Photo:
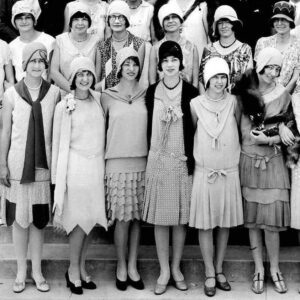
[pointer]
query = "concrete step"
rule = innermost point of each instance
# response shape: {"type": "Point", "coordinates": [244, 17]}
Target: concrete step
{"type": "Point", "coordinates": [238, 263]}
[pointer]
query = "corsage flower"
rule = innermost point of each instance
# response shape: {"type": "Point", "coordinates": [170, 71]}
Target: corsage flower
{"type": "Point", "coordinates": [71, 103]}
{"type": "Point", "coordinates": [171, 113]}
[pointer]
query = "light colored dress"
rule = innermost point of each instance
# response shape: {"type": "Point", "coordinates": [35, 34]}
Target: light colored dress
{"type": "Point", "coordinates": [16, 48]}
{"type": "Point", "coordinates": [126, 153]}
{"type": "Point", "coordinates": [84, 199]}
{"type": "Point", "coordinates": [216, 195]}
{"type": "Point", "coordinates": [26, 200]}
{"type": "Point", "coordinates": [195, 28]}
{"type": "Point", "coordinates": [264, 175]}
{"type": "Point", "coordinates": [238, 56]}
{"type": "Point", "coordinates": [168, 185]}
{"type": "Point", "coordinates": [4, 60]}
{"type": "Point", "coordinates": [69, 49]}
{"type": "Point", "coordinates": [140, 20]}
{"type": "Point", "coordinates": [291, 56]}
{"type": "Point", "coordinates": [98, 12]}
{"type": "Point", "coordinates": [295, 179]}
{"type": "Point", "coordinates": [188, 58]}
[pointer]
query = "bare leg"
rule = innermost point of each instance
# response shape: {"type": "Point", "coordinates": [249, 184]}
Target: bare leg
{"type": "Point", "coordinates": [207, 251]}
{"type": "Point", "coordinates": [134, 241]}
{"type": "Point", "coordinates": [272, 244]}
{"type": "Point", "coordinates": [162, 247]}
{"type": "Point", "coordinates": [76, 239]}
{"type": "Point", "coordinates": [20, 240]}
{"type": "Point", "coordinates": [255, 236]}
{"type": "Point", "coordinates": [86, 241]}
{"type": "Point", "coordinates": [121, 241]}
{"type": "Point", "coordinates": [178, 239]}
{"type": "Point", "coordinates": [221, 245]}
{"type": "Point", "coordinates": [36, 238]}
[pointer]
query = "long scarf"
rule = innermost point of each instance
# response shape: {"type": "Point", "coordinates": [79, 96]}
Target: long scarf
{"type": "Point", "coordinates": [35, 151]}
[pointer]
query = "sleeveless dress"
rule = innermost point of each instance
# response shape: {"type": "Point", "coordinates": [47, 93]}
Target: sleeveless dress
{"type": "Point", "coordinates": [84, 201]}
{"type": "Point", "coordinates": [216, 195]}
{"type": "Point", "coordinates": [168, 185]}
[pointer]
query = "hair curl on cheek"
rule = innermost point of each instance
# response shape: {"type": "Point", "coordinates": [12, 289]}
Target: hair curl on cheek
{"type": "Point", "coordinates": [73, 84]}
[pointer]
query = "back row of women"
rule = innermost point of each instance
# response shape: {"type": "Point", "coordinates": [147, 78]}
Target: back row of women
{"type": "Point", "coordinates": [163, 155]}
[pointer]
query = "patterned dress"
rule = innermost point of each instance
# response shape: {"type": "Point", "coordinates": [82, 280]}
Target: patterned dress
{"type": "Point", "coordinates": [168, 186]}
{"type": "Point", "coordinates": [238, 56]}
{"type": "Point", "coordinates": [291, 56]}
{"type": "Point", "coordinates": [108, 56]}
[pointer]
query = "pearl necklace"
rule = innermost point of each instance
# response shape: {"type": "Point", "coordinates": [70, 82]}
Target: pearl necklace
{"type": "Point", "coordinates": [34, 88]}
{"type": "Point", "coordinates": [120, 40]}
{"type": "Point", "coordinates": [214, 100]}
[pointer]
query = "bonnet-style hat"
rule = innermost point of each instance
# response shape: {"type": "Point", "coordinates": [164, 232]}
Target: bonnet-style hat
{"type": "Point", "coordinates": [22, 7]}
{"type": "Point", "coordinates": [79, 7]}
{"type": "Point", "coordinates": [225, 12]}
{"type": "Point", "coordinates": [169, 48]}
{"type": "Point", "coordinates": [119, 7]}
{"type": "Point", "coordinates": [268, 56]}
{"type": "Point", "coordinates": [123, 54]}
{"type": "Point", "coordinates": [30, 49]}
{"type": "Point", "coordinates": [81, 63]}
{"type": "Point", "coordinates": [214, 66]}
{"type": "Point", "coordinates": [169, 9]}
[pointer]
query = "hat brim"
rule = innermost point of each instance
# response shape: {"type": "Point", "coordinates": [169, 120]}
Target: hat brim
{"type": "Point", "coordinates": [282, 16]}
{"type": "Point", "coordinates": [230, 18]}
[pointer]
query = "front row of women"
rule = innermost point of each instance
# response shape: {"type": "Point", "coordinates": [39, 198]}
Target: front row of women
{"type": "Point", "coordinates": [99, 150]}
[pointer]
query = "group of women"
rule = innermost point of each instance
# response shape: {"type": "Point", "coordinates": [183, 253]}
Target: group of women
{"type": "Point", "coordinates": [162, 154]}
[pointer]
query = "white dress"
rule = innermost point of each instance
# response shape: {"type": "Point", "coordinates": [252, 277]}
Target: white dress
{"type": "Point", "coordinates": [4, 60]}
{"type": "Point", "coordinates": [16, 48]}
{"type": "Point", "coordinates": [295, 186]}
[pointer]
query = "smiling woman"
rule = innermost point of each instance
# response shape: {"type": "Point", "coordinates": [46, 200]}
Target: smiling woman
{"type": "Point", "coordinates": [289, 46]}
{"type": "Point", "coordinates": [237, 54]}
{"type": "Point", "coordinates": [24, 20]}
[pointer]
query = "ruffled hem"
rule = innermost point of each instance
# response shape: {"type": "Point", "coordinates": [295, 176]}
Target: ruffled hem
{"type": "Point", "coordinates": [26, 203]}
{"type": "Point", "coordinates": [124, 196]}
{"type": "Point", "coordinates": [264, 172]}
{"type": "Point", "coordinates": [274, 216]}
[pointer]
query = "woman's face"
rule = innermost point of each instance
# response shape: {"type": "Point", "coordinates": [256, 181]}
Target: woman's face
{"type": "Point", "coordinates": [225, 28]}
{"type": "Point", "coordinates": [117, 22]}
{"type": "Point", "coordinates": [80, 25]}
{"type": "Point", "coordinates": [24, 22]}
{"type": "Point", "coordinates": [271, 72]}
{"type": "Point", "coordinates": [171, 23]}
{"type": "Point", "coordinates": [218, 83]}
{"type": "Point", "coordinates": [84, 80]}
{"type": "Point", "coordinates": [36, 66]}
{"type": "Point", "coordinates": [130, 69]}
{"type": "Point", "coordinates": [281, 25]}
{"type": "Point", "coordinates": [170, 65]}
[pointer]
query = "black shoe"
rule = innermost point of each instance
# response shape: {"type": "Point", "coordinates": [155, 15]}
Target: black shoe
{"type": "Point", "coordinates": [209, 291]}
{"type": "Point", "coordinates": [75, 289]}
{"type": "Point", "coordinates": [88, 284]}
{"type": "Point", "coordinates": [225, 286]}
{"type": "Point", "coordinates": [139, 284]}
{"type": "Point", "coordinates": [121, 285]}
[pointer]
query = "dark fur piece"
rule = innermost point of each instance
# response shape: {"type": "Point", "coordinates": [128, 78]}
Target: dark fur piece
{"type": "Point", "coordinates": [253, 106]}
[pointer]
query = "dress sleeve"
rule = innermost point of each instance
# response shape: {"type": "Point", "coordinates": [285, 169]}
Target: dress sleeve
{"type": "Point", "coordinates": [205, 56]}
{"type": "Point", "coordinates": [296, 109]}
{"type": "Point", "coordinates": [259, 46]}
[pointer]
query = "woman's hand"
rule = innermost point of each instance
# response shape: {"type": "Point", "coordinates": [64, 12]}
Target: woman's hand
{"type": "Point", "coordinates": [4, 175]}
{"type": "Point", "coordinates": [286, 135]}
{"type": "Point", "coordinates": [258, 137]}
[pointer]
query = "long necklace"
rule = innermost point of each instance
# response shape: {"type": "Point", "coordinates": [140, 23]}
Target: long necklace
{"type": "Point", "coordinates": [227, 45]}
{"type": "Point", "coordinates": [171, 88]}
